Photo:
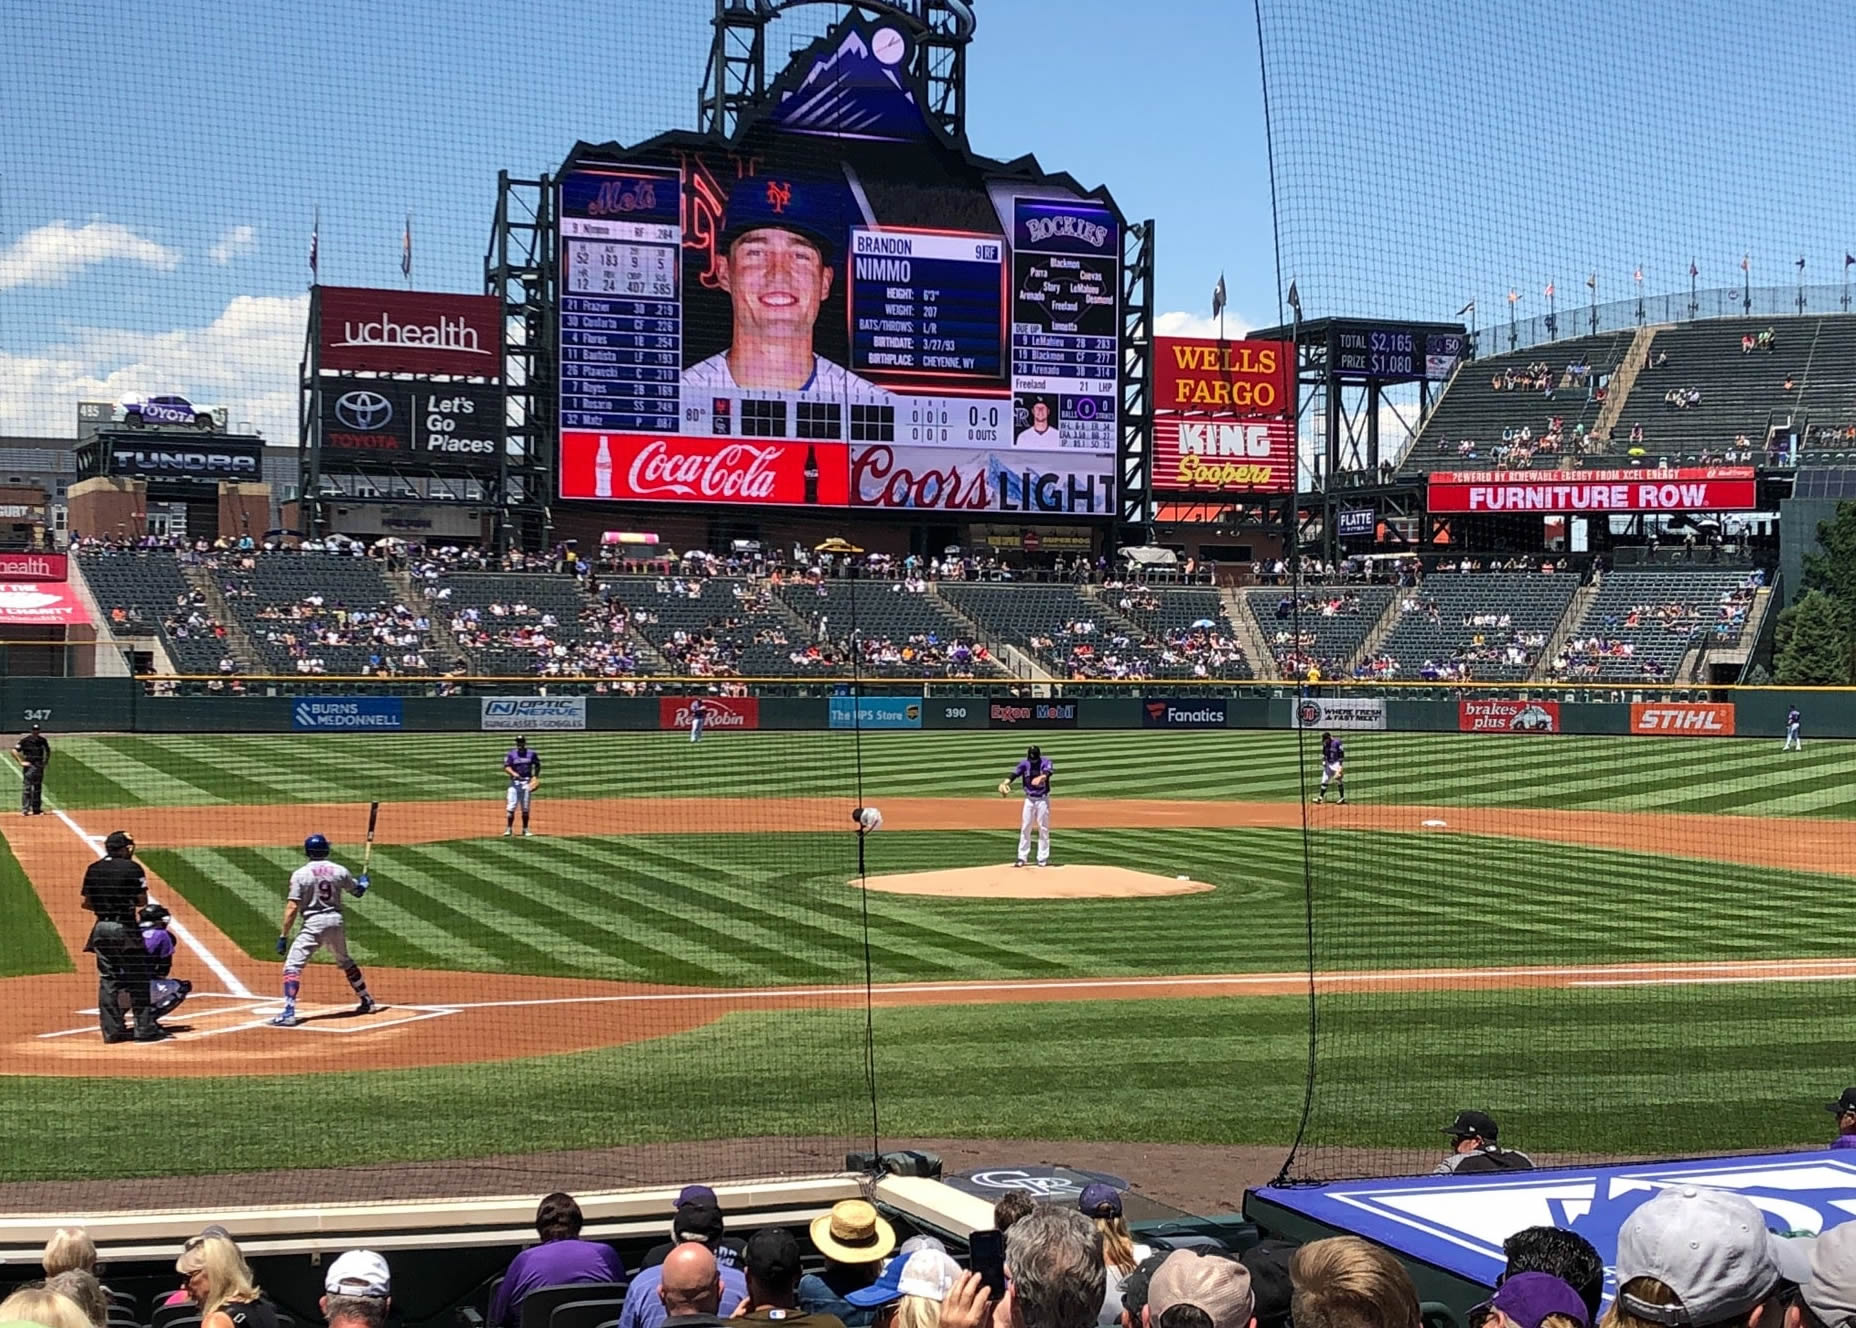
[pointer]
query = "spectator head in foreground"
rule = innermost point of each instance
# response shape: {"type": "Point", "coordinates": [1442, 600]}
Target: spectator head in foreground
{"type": "Point", "coordinates": [1102, 1205]}
{"type": "Point", "coordinates": [1192, 1290]}
{"type": "Point", "coordinates": [84, 1291]}
{"type": "Point", "coordinates": [1537, 1300]}
{"type": "Point", "coordinates": [69, 1247]}
{"type": "Point", "coordinates": [1055, 1277]}
{"type": "Point", "coordinates": [911, 1289]}
{"type": "Point", "coordinates": [1844, 1109]}
{"type": "Point", "coordinates": [773, 1269]}
{"type": "Point", "coordinates": [1346, 1282]}
{"type": "Point", "coordinates": [1564, 1254]}
{"type": "Point", "coordinates": [1692, 1257]}
{"type": "Point", "coordinates": [47, 1309]}
{"type": "Point", "coordinates": [1134, 1288]}
{"type": "Point", "coordinates": [1827, 1298]}
{"type": "Point", "coordinates": [216, 1274]}
{"type": "Point", "coordinates": [692, 1281]}
{"type": "Point", "coordinates": [1013, 1205]}
{"type": "Point", "coordinates": [853, 1232]}
{"type": "Point", "coordinates": [558, 1217]}
{"type": "Point", "coordinates": [1268, 1262]}
{"type": "Point", "coordinates": [357, 1291]}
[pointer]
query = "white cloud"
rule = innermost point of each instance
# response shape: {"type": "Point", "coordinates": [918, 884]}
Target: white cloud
{"type": "Point", "coordinates": [1181, 324]}
{"type": "Point", "coordinates": [234, 241]}
{"type": "Point", "coordinates": [54, 253]}
{"type": "Point", "coordinates": [245, 360]}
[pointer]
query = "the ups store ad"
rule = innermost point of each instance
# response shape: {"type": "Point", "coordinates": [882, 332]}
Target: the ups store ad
{"type": "Point", "coordinates": [439, 424]}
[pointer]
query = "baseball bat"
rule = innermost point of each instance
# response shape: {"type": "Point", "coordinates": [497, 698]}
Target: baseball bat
{"type": "Point", "coordinates": [367, 854]}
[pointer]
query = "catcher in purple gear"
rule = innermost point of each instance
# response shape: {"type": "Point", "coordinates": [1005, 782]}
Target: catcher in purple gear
{"type": "Point", "coordinates": [1034, 774]}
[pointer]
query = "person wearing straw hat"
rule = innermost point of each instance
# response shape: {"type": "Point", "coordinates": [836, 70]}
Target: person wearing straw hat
{"type": "Point", "coordinates": [855, 1239]}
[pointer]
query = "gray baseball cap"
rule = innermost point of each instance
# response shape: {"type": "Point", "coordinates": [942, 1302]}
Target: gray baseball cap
{"type": "Point", "coordinates": [1831, 1291]}
{"type": "Point", "coordinates": [1710, 1247]}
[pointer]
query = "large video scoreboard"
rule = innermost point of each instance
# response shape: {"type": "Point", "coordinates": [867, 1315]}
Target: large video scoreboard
{"type": "Point", "coordinates": [864, 319]}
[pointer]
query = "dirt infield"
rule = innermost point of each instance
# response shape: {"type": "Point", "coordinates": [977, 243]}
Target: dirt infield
{"type": "Point", "coordinates": [438, 1018]}
{"type": "Point", "coordinates": [1001, 881]}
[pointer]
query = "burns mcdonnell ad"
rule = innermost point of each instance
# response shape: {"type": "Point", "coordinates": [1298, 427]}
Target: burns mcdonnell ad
{"type": "Point", "coordinates": [1223, 416]}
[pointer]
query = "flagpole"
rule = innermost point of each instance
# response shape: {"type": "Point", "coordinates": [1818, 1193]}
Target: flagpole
{"type": "Point", "coordinates": [1693, 272]}
{"type": "Point", "coordinates": [1801, 284]}
{"type": "Point", "coordinates": [1847, 260]}
{"type": "Point", "coordinates": [1591, 284]}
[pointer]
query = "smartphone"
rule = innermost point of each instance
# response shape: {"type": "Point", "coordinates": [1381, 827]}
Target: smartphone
{"type": "Point", "coordinates": [986, 1251]}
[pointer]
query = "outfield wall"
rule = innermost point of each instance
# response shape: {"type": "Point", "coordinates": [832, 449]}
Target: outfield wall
{"type": "Point", "coordinates": [75, 705]}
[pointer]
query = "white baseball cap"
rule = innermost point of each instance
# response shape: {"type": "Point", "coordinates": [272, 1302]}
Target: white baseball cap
{"type": "Point", "coordinates": [359, 1273]}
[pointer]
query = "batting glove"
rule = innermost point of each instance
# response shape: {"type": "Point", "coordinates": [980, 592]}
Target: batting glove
{"type": "Point", "coordinates": [361, 884]}
{"type": "Point", "coordinates": [283, 943]}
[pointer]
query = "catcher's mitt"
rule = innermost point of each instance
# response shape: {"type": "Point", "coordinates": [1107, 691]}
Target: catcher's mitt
{"type": "Point", "coordinates": [1005, 788]}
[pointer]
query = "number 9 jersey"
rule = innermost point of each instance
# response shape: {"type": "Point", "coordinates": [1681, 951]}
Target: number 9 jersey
{"type": "Point", "coordinates": [318, 887]}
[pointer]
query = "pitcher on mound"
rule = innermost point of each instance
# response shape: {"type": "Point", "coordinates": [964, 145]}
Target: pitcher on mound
{"type": "Point", "coordinates": [1034, 774]}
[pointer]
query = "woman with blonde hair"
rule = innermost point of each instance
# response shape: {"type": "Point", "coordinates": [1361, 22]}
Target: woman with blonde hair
{"type": "Point", "coordinates": [1346, 1282]}
{"type": "Point", "coordinates": [219, 1282]}
{"type": "Point", "coordinates": [48, 1309]}
{"type": "Point", "coordinates": [69, 1247]}
{"type": "Point", "coordinates": [1120, 1252]}
{"type": "Point", "coordinates": [910, 1291]}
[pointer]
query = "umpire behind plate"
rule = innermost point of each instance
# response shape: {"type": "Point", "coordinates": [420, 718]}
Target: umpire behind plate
{"type": "Point", "coordinates": [115, 888]}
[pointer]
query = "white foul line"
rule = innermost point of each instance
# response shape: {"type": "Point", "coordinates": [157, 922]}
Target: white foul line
{"type": "Point", "coordinates": [207, 957]}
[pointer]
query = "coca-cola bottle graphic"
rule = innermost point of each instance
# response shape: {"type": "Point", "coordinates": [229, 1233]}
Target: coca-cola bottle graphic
{"type": "Point", "coordinates": [811, 494]}
{"type": "Point", "coordinates": [602, 469]}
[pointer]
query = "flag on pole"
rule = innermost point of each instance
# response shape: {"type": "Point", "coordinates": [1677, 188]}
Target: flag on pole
{"type": "Point", "coordinates": [1746, 262]}
{"type": "Point", "coordinates": [1218, 296]}
{"type": "Point", "coordinates": [1638, 275]}
{"type": "Point", "coordinates": [1549, 290]}
{"type": "Point", "coordinates": [1693, 271]}
{"type": "Point", "coordinates": [315, 244]}
{"type": "Point", "coordinates": [1848, 259]}
{"type": "Point", "coordinates": [1469, 308]}
{"type": "Point", "coordinates": [1801, 263]}
{"type": "Point", "coordinates": [406, 249]}
{"type": "Point", "coordinates": [1295, 297]}
{"type": "Point", "coordinates": [1591, 282]}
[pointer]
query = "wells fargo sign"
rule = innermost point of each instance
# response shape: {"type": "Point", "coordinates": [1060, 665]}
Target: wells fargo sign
{"type": "Point", "coordinates": [1241, 378]}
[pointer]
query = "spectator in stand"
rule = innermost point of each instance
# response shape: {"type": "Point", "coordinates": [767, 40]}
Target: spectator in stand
{"type": "Point", "coordinates": [1536, 1300]}
{"type": "Point", "coordinates": [911, 1290]}
{"type": "Point", "coordinates": [561, 1258]}
{"type": "Point", "coordinates": [690, 1278]}
{"type": "Point", "coordinates": [773, 1284]}
{"type": "Point", "coordinates": [1055, 1277]}
{"type": "Point", "coordinates": [357, 1291]}
{"type": "Point", "coordinates": [44, 1308]}
{"type": "Point", "coordinates": [1564, 1254]}
{"type": "Point", "coordinates": [855, 1239]}
{"type": "Point", "coordinates": [1346, 1282]}
{"type": "Point", "coordinates": [1695, 1256]}
{"type": "Point", "coordinates": [1102, 1205]}
{"type": "Point", "coordinates": [85, 1292]}
{"type": "Point", "coordinates": [1012, 1206]}
{"type": "Point", "coordinates": [68, 1248]}
{"type": "Point", "coordinates": [1193, 1290]}
{"type": "Point", "coordinates": [1844, 1109]}
{"type": "Point", "coordinates": [1827, 1298]}
{"type": "Point", "coordinates": [1473, 1147]}
{"type": "Point", "coordinates": [219, 1281]}
{"type": "Point", "coordinates": [698, 1217]}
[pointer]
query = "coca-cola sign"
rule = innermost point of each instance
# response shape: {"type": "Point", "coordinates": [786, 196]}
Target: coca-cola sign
{"type": "Point", "coordinates": [963, 480]}
{"type": "Point", "coordinates": [670, 469]}
{"type": "Point", "coordinates": [414, 332]}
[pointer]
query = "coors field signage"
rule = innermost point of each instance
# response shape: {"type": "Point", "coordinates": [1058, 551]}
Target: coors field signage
{"type": "Point", "coordinates": [410, 332]}
{"type": "Point", "coordinates": [433, 423]}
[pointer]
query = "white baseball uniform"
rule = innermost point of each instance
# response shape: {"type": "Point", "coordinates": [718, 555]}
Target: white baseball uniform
{"type": "Point", "coordinates": [318, 887]}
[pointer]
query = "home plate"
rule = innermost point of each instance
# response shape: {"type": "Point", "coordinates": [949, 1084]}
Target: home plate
{"type": "Point", "coordinates": [1436, 825]}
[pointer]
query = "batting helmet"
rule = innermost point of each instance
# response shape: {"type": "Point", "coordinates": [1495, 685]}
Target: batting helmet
{"type": "Point", "coordinates": [1033, 754]}
{"type": "Point", "coordinates": [154, 915]}
{"type": "Point", "coordinates": [316, 846]}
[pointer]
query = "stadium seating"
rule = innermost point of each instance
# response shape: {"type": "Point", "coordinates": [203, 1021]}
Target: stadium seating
{"type": "Point", "coordinates": [1739, 391]}
{"type": "Point", "coordinates": [509, 607]}
{"type": "Point", "coordinates": [879, 612]}
{"type": "Point", "coordinates": [1043, 620]}
{"type": "Point", "coordinates": [1466, 429]}
{"type": "Point", "coordinates": [1477, 625]}
{"type": "Point", "coordinates": [1639, 625]}
{"type": "Point", "coordinates": [1335, 622]}
{"type": "Point", "coordinates": [719, 626]}
{"type": "Point", "coordinates": [275, 604]}
{"type": "Point", "coordinates": [148, 586]}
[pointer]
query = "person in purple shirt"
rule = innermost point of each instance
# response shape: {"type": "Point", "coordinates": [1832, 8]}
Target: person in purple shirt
{"type": "Point", "coordinates": [699, 715]}
{"type": "Point", "coordinates": [1844, 1109]}
{"type": "Point", "coordinates": [561, 1258]}
{"type": "Point", "coordinates": [165, 993]}
{"type": "Point", "coordinates": [1034, 774]}
{"type": "Point", "coordinates": [524, 770]}
{"type": "Point", "coordinates": [645, 1308]}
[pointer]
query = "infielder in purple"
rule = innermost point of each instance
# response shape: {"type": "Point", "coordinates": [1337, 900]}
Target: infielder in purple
{"type": "Point", "coordinates": [1333, 767]}
{"type": "Point", "coordinates": [1034, 774]}
{"type": "Point", "coordinates": [523, 767]}
{"type": "Point", "coordinates": [699, 714]}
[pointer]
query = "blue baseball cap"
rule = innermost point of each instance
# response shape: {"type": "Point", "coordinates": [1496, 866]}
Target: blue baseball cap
{"type": "Point", "coordinates": [808, 207]}
{"type": "Point", "coordinates": [930, 1274]}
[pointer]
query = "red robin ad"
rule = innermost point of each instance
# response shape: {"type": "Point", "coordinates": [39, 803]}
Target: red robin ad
{"type": "Point", "coordinates": [1223, 416]}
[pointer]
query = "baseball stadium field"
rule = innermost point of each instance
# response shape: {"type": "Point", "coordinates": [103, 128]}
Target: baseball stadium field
{"type": "Point", "coordinates": [1585, 926]}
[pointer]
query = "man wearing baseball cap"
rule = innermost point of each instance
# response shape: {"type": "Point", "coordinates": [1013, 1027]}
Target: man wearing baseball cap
{"type": "Point", "coordinates": [1216, 1286]}
{"type": "Point", "coordinates": [1691, 1257]}
{"type": "Point", "coordinates": [1828, 1296]}
{"type": "Point", "coordinates": [115, 890]}
{"type": "Point", "coordinates": [774, 258]}
{"type": "Point", "coordinates": [1473, 1147]}
{"type": "Point", "coordinates": [1844, 1109]}
{"type": "Point", "coordinates": [357, 1291]}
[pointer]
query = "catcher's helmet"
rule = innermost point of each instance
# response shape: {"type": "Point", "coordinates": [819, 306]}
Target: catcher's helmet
{"type": "Point", "coordinates": [155, 915]}
{"type": "Point", "coordinates": [316, 846]}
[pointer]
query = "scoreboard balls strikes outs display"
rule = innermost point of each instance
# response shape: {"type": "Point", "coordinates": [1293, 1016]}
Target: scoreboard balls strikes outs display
{"type": "Point", "coordinates": [838, 307]}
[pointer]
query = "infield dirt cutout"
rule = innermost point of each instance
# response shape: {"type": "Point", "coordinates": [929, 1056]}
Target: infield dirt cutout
{"type": "Point", "coordinates": [450, 1018]}
{"type": "Point", "coordinates": [1069, 881]}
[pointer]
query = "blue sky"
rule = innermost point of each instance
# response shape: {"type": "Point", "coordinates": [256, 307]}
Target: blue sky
{"type": "Point", "coordinates": [161, 161]}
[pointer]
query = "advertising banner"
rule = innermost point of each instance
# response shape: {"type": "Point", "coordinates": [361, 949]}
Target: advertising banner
{"type": "Point", "coordinates": [1683, 719]}
{"type": "Point", "coordinates": [1694, 489]}
{"type": "Point", "coordinates": [1195, 713]}
{"type": "Point", "coordinates": [1505, 715]}
{"type": "Point", "coordinates": [1012, 712]}
{"type": "Point", "coordinates": [33, 567]}
{"type": "Point", "coordinates": [1317, 713]}
{"type": "Point", "coordinates": [1223, 456]}
{"type": "Point", "coordinates": [346, 713]}
{"type": "Point", "coordinates": [672, 469]}
{"type": "Point", "coordinates": [434, 422]}
{"type": "Point", "coordinates": [953, 480]}
{"type": "Point", "coordinates": [410, 332]}
{"type": "Point", "coordinates": [1202, 375]}
{"type": "Point", "coordinates": [39, 604]}
{"type": "Point", "coordinates": [532, 714]}
{"type": "Point", "coordinates": [876, 712]}
{"type": "Point", "coordinates": [197, 463]}
{"type": "Point", "coordinates": [1353, 522]}
{"type": "Point", "coordinates": [725, 712]}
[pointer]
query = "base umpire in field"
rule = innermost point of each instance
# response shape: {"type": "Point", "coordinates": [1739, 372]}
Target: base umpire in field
{"type": "Point", "coordinates": [115, 889]}
{"type": "Point", "coordinates": [34, 752]}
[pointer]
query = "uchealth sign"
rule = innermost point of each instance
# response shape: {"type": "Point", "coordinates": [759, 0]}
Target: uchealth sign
{"type": "Point", "coordinates": [725, 712]}
{"type": "Point", "coordinates": [412, 332]}
{"type": "Point", "coordinates": [1682, 719]}
{"type": "Point", "coordinates": [1694, 489]}
{"type": "Point", "coordinates": [1506, 715]}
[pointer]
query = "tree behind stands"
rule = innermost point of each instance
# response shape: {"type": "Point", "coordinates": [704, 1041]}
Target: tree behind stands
{"type": "Point", "coordinates": [1813, 642]}
{"type": "Point", "coordinates": [1833, 571]}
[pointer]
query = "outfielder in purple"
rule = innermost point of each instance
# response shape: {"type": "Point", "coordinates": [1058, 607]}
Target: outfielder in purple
{"type": "Point", "coordinates": [1333, 767]}
{"type": "Point", "coordinates": [523, 766]}
{"type": "Point", "coordinates": [699, 714]}
{"type": "Point", "coordinates": [1033, 773]}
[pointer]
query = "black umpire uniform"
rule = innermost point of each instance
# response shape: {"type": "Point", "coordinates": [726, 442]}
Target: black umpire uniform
{"type": "Point", "coordinates": [115, 888]}
{"type": "Point", "coordinates": [34, 751]}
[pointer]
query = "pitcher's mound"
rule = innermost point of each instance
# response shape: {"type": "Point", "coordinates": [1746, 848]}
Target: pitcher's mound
{"type": "Point", "coordinates": [1008, 882]}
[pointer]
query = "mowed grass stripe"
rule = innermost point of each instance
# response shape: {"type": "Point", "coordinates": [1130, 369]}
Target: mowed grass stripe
{"type": "Point", "coordinates": [29, 943]}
